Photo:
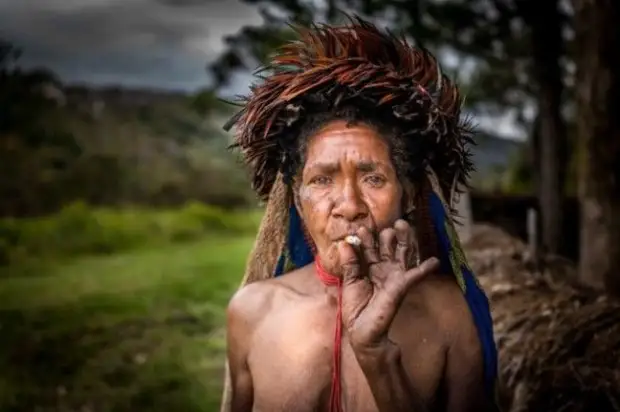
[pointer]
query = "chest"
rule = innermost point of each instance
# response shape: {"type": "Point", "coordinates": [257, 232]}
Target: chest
{"type": "Point", "coordinates": [292, 357]}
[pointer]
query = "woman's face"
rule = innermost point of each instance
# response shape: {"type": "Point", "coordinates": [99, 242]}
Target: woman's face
{"type": "Point", "coordinates": [348, 181]}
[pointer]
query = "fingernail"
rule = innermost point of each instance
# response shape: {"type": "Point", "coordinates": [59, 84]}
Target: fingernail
{"type": "Point", "coordinates": [430, 263]}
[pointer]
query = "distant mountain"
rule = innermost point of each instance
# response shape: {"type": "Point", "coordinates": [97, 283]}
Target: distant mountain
{"type": "Point", "coordinates": [489, 153]}
{"type": "Point", "coordinates": [115, 146]}
{"type": "Point", "coordinates": [158, 146]}
{"type": "Point", "coordinates": [492, 153]}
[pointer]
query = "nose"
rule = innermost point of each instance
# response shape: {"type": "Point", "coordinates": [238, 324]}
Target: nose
{"type": "Point", "coordinates": [349, 205]}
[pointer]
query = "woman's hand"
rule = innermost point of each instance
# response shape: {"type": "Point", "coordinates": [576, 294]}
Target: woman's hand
{"type": "Point", "coordinates": [376, 277]}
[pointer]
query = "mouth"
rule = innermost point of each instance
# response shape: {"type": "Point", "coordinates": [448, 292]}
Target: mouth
{"type": "Point", "coordinates": [350, 236]}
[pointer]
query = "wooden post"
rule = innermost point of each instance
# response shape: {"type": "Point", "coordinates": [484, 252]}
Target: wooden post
{"type": "Point", "coordinates": [532, 237]}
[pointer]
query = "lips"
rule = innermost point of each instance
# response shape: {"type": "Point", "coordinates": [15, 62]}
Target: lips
{"type": "Point", "coordinates": [348, 233]}
{"type": "Point", "coordinates": [345, 235]}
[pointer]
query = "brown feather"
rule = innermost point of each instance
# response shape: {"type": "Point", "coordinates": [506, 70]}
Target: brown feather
{"type": "Point", "coordinates": [354, 61]}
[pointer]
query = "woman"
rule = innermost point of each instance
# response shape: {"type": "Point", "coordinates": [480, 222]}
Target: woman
{"type": "Point", "coordinates": [354, 140]}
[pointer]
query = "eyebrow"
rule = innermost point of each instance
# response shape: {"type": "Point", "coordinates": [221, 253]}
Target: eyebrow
{"type": "Point", "coordinates": [365, 166]}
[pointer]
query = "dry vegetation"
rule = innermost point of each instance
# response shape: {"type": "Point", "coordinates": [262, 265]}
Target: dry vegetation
{"type": "Point", "coordinates": [559, 342]}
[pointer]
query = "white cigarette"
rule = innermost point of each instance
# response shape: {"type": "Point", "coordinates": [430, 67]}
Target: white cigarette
{"type": "Point", "coordinates": [353, 240]}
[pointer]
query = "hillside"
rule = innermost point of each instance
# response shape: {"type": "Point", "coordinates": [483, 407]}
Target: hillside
{"type": "Point", "coordinates": [492, 154]}
{"type": "Point", "coordinates": [115, 146]}
{"type": "Point", "coordinates": [153, 107]}
{"type": "Point", "coordinates": [127, 146]}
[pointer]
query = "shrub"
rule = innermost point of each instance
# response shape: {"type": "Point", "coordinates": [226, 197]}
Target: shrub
{"type": "Point", "coordinates": [80, 229]}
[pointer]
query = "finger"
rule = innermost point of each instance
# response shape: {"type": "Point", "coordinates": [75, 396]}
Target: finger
{"type": "Point", "coordinates": [421, 271]}
{"type": "Point", "coordinates": [368, 246]}
{"type": "Point", "coordinates": [387, 240]}
{"type": "Point", "coordinates": [349, 262]}
{"type": "Point", "coordinates": [406, 243]}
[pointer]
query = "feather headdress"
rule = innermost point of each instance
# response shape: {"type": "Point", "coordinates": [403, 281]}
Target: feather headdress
{"type": "Point", "coordinates": [359, 65]}
{"type": "Point", "coordinates": [331, 66]}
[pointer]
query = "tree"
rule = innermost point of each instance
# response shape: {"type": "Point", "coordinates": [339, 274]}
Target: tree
{"type": "Point", "coordinates": [36, 147]}
{"type": "Point", "coordinates": [8, 56]}
{"type": "Point", "coordinates": [597, 24]}
{"type": "Point", "coordinates": [518, 49]}
{"type": "Point", "coordinates": [22, 98]}
{"type": "Point", "coordinates": [550, 140]}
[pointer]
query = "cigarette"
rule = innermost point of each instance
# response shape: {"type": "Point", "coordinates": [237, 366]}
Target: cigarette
{"type": "Point", "coordinates": [353, 240]}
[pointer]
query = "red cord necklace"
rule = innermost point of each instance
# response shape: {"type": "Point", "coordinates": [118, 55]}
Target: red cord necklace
{"type": "Point", "coordinates": [330, 280]}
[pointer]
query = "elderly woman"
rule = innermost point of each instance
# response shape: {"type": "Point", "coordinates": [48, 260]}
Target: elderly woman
{"type": "Point", "coordinates": [357, 295]}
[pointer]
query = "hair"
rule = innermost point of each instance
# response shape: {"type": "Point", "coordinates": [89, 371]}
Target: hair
{"type": "Point", "coordinates": [355, 73]}
{"type": "Point", "coordinates": [295, 150]}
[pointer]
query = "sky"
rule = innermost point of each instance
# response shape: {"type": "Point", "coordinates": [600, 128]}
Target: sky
{"type": "Point", "coordinates": [161, 43]}
{"type": "Point", "coordinates": [139, 43]}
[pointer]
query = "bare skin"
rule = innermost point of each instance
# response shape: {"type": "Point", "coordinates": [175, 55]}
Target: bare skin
{"type": "Point", "coordinates": [409, 341]}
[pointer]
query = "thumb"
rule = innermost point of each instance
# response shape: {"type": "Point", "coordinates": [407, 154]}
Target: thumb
{"type": "Point", "coordinates": [349, 262]}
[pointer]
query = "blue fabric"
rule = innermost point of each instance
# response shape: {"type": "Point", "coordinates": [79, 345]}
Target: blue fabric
{"type": "Point", "coordinates": [298, 253]}
{"type": "Point", "coordinates": [474, 295]}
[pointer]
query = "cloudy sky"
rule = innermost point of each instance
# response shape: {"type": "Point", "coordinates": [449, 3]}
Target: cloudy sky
{"type": "Point", "coordinates": [152, 43]}
{"type": "Point", "coordinates": [164, 43]}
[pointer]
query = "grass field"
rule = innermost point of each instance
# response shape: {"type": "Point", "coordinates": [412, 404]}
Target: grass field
{"type": "Point", "coordinates": [135, 330]}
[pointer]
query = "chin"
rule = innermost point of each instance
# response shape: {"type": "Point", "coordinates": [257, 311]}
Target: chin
{"type": "Point", "coordinates": [329, 259]}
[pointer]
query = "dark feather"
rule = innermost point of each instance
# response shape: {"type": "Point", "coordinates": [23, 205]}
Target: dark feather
{"type": "Point", "coordinates": [361, 64]}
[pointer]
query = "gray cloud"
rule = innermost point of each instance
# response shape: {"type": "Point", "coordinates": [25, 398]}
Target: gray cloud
{"type": "Point", "coordinates": [164, 43]}
{"type": "Point", "coordinates": [183, 3]}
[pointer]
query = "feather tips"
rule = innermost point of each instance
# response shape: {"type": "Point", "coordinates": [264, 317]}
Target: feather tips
{"type": "Point", "coordinates": [353, 62]}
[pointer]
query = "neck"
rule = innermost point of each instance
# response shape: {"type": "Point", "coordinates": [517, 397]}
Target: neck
{"type": "Point", "coordinates": [328, 279]}
{"type": "Point", "coordinates": [324, 276]}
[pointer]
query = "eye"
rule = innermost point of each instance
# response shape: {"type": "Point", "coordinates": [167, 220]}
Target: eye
{"type": "Point", "coordinates": [320, 180]}
{"type": "Point", "coordinates": [375, 180]}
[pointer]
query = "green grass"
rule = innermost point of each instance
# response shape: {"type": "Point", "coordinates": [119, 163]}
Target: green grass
{"type": "Point", "coordinates": [135, 330]}
{"type": "Point", "coordinates": [79, 229]}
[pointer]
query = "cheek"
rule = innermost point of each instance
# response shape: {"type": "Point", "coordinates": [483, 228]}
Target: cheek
{"type": "Point", "coordinates": [385, 206]}
{"type": "Point", "coordinates": [304, 195]}
{"type": "Point", "coordinates": [315, 206]}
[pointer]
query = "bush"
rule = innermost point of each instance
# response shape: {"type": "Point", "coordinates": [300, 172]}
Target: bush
{"type": "Point", "coordinates": [214, 219]}
{"type": "Point", "coordinates": [80, 229]}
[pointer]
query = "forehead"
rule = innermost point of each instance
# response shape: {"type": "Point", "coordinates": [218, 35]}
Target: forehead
{"type": "Point", "coordinates": [337, 139]}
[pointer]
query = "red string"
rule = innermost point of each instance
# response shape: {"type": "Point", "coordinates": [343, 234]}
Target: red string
{"type": "Point", "coordinates": [330, 280]}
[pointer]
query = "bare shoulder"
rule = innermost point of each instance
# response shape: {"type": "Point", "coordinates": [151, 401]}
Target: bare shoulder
{"type": "Point", "coordinates": [252, 302]}
{"type": "Point", "coordinates": [451, 314]}
{"type": "Point", "coordinates": [463, 373]}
